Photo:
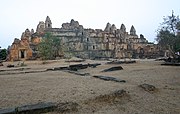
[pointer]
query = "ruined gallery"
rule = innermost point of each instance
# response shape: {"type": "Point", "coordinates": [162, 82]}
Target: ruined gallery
{"type": "Point", "coordinates": [112, 42]}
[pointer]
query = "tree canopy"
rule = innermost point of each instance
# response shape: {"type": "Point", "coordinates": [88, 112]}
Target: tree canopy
{"type": "Point", "coordinates": [3, 54]}
{"type": "Point", "coordinates": [50, 47]}
{"type": "Point", "coordinates": [168, 33]}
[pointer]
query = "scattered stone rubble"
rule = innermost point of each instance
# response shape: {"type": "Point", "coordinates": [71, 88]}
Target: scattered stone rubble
{"type": "Point", "coordinates": [30, 109]}
{"type": "Point", "coordinates": [107, 78]}
{"type": "Point", "coordinates": [148, 87]}
{"type": "Point", "coordinates": [64, 107]}
{"type": "Point", "coordinates": [76, 67]}
{"type": "Point", "coordinates": [108, 98]}
{"type": "Point", "coordinates": [113, 69]}
{"type": "Point", "coordinates": [67, 107]}
{"type": "Point", "coordinates": [121, 62]}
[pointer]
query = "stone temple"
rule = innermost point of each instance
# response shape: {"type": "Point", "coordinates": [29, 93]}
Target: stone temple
{"type": "Point", "coordinates": [112, 42]}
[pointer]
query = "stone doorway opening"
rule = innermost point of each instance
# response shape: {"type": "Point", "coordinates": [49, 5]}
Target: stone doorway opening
{"type": "Point", "coordinates": [22, 54]}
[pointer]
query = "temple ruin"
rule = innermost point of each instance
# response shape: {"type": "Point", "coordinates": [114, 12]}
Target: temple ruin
{"type": "Point", "coordinates": [112, 42]}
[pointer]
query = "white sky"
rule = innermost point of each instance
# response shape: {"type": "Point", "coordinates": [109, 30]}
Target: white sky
{"type": "Point", "coordinates": [145, 15]}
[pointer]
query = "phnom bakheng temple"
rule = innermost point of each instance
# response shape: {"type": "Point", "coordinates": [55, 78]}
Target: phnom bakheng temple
{"type": "Point", "coordinates": [112, 42]}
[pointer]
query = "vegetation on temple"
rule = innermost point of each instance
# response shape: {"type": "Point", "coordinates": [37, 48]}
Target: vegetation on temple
{"type": "Point", "coordinates": [50, 47]}
{"type": "Point", "coordinates": [169, 33]}
{"type": "Point", "coordinates": [3, 54]}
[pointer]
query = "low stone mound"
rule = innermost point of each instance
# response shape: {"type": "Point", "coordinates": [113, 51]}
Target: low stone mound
{"type": "Point", "coordinates": [79, 73]}
{"type": "Point", "coordinates": [110, 97]}
{"type": "Point", "coordinates": [94, 65]}
{"type": "Point", "coordinates": [74, 59]}
{"type": "Point", "coordinates": [121, 62]}
{"type": "Point", "coordinates": [171, 64]}
{"type": "Point", "coordinates": [17, 69]}
{"type": "Point", "coordinates": [113, 69]}
{"type": "Point", "coordinates": [107, 78]}
{"type": "Point", "coordinates": [75, 67]}
{"type": "Point", "coordinates": [8, 111]}
{"type": "Point", "coordinates": [30, 109]}
{"type": "Point", "coordinates": [114, 97]}
{"type": "Point", "coordinates": [161, 59]}
{"type": "Point", "coordinates": [67, 107]}
{"type": "Point", "coordinates": [148, 87]}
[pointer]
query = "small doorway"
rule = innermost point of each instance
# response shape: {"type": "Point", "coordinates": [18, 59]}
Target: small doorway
{"type": "Point", "coordinates": [22, 54]}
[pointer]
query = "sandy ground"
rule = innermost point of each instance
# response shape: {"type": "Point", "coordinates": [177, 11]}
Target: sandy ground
{"type": "Point", "coordinates": [60, 86]}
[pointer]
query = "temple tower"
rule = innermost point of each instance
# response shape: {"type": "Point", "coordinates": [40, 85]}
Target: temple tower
{"type": "Point", "coordinates": [48, 23]}
{"type": "Point", "coordinates": [108, 27]}
{"type": "Point", "coordinates": [132, 31]}
{"type": "Point", "coordinates": [123, 28]}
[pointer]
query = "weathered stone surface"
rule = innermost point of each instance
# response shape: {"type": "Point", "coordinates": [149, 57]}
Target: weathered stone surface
{"type": "Point", "coordinates": [94, 65]}
{"type": "Point", "coordinates": [79, 73]}
{"type": "Point", "coordinates": [113, 69]}
{"type": "Point", "coordinates": [31, 109]}
{"type": "Point", "coordinates": [77, 67]}
{"type": "Point", "coordinates": [109, 98]}
{"type": "Point", "coordinates": [73, 25]}
{"type": "Point", "coordinates": [75, 60]}
{"type": "Point", "coordinates": [17, 69]}
{"type": "Point", "coordinates": [67, 107]}
{"type": "Point", "coordinates": [40, 27]}
{"type": "Point", "coordinates": [148, 87]}
{"type": "Point", "coordinates": [50, 69]}
{"type": "Point", "coordinates": [61, 68]}
{"type": "Point", "coordinates": [171, 64]}
{"type": "Point", "coordinates": [10, 66]}
{"type": "Point", "coordinates": [8, 111]}
{"type": "Point", "coordinates": [107, 78]}
{"type": "Point", "coordinates": [36, 108]}
{"type": "Point", "coordinates": [23, 72]}
{"type": "Point", "coordinates": [74, 67]}
{"type": "Point", "coordinates": [121, 62]}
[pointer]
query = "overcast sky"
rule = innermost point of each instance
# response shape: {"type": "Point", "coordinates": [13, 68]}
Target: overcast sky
{"type": "Point", "coordinates": [145, 15]}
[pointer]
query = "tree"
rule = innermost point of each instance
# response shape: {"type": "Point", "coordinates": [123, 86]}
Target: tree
{"type": "Point", "coordinates": [170, 23]}
{"type": "Point", "coordinates": [167, 34]}
{"type": "Point", "coordinates": [50, 47]}
{"type": "Point", "coordinates": [3, 54]}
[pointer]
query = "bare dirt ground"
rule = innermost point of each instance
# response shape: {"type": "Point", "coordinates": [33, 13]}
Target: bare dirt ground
{"type": "Point", "coordinates": [19, 88]}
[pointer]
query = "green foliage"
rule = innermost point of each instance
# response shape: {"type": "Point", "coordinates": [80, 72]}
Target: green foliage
{"type": "Point", "coordinates": [49, 47]}
{"type": "Point", "coordinates": [177, 43]}
{"type": "Point", "coordinates": [165, 38]}
{"type": "Point", "coordinates": [3, 54]}
{"type": "Point", "coordinates": [167, 33]}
